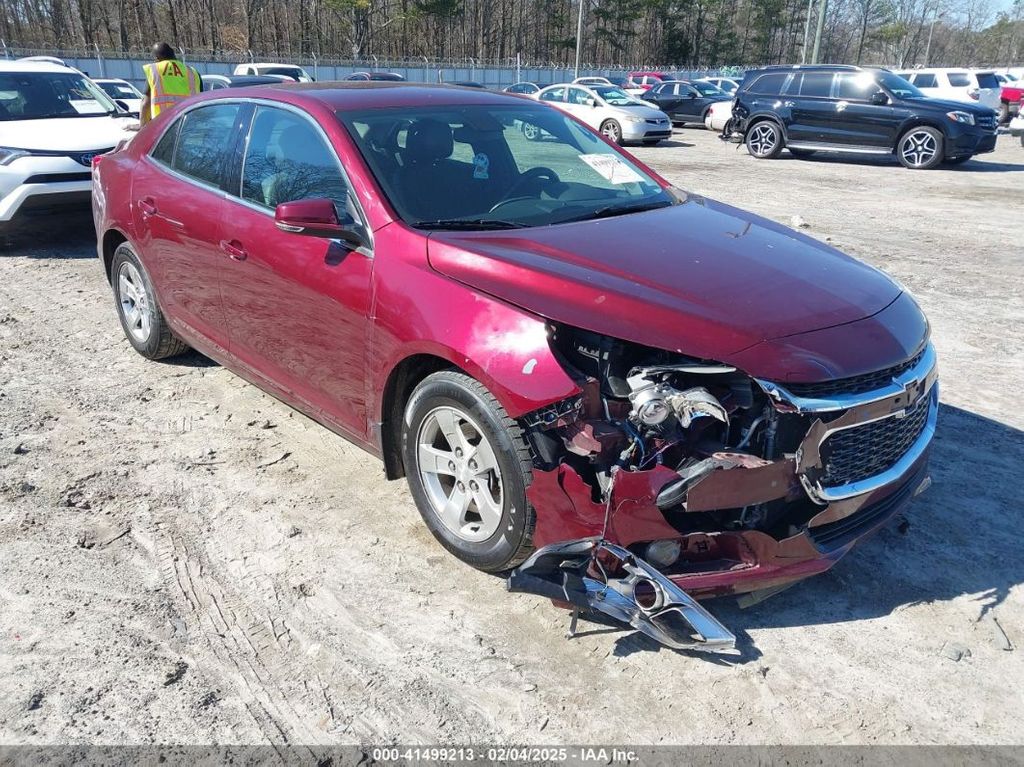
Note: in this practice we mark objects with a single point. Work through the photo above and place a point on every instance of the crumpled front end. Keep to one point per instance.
(720, 482)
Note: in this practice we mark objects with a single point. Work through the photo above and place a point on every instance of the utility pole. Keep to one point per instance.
(821, 28)
(931, 30)
(579, 40)
(807, 32)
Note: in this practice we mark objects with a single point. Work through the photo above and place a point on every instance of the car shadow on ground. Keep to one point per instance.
(65, 235)
(961, 542)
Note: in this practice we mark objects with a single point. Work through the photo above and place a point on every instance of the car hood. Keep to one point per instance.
(65, 134)
(948, 105)
(639, 110)
(700, 278)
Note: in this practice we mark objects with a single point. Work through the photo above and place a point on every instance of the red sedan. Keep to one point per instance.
(628, 393)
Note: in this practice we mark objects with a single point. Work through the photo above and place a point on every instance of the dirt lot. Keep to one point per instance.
(185, 560)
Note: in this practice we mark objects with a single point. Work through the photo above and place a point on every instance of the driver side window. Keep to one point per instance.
(578, 96)
(555, 94)
(287, 159)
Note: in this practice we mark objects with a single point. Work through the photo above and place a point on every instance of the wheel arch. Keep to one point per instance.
(110, 242)
(918, 122)
(761, 117)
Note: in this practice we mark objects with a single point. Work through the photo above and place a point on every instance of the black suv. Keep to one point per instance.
(808, 109)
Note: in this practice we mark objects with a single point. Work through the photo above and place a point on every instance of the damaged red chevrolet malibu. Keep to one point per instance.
(628, 395)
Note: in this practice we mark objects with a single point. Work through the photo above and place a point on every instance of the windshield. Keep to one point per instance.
(617, 97)
(707, 89)
(39, 95)
(898, 87)
(497, 167)
(120, 91)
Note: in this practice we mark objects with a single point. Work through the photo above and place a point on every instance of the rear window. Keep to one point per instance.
(958, 79)
(769, 85)
(987, 80)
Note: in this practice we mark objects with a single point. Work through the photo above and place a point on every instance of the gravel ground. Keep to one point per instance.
(185, 560)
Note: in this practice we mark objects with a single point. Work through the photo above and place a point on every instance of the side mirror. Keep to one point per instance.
(123, 106)
(879, 98)
(317, 218)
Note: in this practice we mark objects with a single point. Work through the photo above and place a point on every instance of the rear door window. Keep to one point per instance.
(770, 84)
(925, 80)
(958, 79)
(205, 139)
(987, 80)
(811, 84)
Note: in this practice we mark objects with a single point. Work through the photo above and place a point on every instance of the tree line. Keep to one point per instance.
(684, 33)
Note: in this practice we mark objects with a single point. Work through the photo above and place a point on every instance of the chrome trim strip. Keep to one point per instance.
(820, 147)
(780, 394)
(890, 475)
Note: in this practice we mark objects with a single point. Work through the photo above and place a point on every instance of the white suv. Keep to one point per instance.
(53, 121)
(291, 71)
(957, 85)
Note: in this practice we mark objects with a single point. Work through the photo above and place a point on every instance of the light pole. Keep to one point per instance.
(807, 32)
(822, 10)
(931, 29)
(579, 40)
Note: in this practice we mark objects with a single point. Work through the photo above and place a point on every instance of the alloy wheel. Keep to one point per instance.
(531, 131)
(919, 148)
(460, 474)
(131, 293)
(762, 140)
(611, 131)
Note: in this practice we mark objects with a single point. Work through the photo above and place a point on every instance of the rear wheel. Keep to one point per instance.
(920, 148)
(764, 140)
(612, 131)
(468, 467)
(141, 318)
(531, 131)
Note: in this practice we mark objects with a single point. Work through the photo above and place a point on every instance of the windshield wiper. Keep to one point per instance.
(618, 210)
(469, 224)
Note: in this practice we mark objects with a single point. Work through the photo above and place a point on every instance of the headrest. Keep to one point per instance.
(429, 140)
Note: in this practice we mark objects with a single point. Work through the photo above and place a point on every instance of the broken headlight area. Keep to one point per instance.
(714, 479)
(592, 574)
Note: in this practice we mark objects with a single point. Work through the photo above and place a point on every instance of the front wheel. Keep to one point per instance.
(764, 140)
(920, 148)
(612, 131)
(141, 318)
(468, 467)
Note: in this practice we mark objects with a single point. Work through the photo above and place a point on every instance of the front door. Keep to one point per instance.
(298, 306)
(581, 105)
(179, 206)
(859, 122)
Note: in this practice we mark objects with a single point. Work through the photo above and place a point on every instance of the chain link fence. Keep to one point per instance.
(492, 73)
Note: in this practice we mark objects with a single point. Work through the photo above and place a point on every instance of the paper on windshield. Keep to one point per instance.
(611, 168)
(88, 107)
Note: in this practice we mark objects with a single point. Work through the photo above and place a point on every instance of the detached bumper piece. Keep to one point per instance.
(592, 574)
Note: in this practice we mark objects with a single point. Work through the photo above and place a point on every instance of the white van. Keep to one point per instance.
(53, 121)
(291, 71)
(972, 87)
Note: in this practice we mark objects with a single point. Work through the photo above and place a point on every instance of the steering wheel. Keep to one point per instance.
(533, 174)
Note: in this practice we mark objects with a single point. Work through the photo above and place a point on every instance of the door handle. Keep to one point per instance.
(234, 250)
(147, 206)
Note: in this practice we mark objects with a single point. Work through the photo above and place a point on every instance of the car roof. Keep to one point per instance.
(32, 66)
(346, 95)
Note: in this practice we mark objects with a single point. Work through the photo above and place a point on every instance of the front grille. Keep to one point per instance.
(835, 535)
(985, 121)
(860, 452)
(856, 385)
(657, 121)
(57, 178)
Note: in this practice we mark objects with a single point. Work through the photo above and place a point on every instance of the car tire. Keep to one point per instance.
(612, 131)
(801, 152)
(142, 320)
(920, 148)
(477, 510)
(531, 131)
(764, 140)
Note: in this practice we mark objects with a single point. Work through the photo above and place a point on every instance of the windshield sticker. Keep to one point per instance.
(87, 107)
(611, 168)
(481, 166)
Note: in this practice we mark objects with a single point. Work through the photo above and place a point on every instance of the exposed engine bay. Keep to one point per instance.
(703, 471)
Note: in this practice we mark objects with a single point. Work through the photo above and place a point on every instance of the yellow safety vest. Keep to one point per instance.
(169, 82)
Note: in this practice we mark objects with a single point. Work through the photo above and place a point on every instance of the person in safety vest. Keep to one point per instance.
(168, 81)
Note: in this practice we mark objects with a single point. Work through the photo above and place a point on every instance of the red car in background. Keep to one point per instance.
(630, 394)
(646, 80)
(1010, 96)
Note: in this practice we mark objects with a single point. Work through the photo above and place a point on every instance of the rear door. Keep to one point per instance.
(298, 306)
(179, 207)
(813, 113)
